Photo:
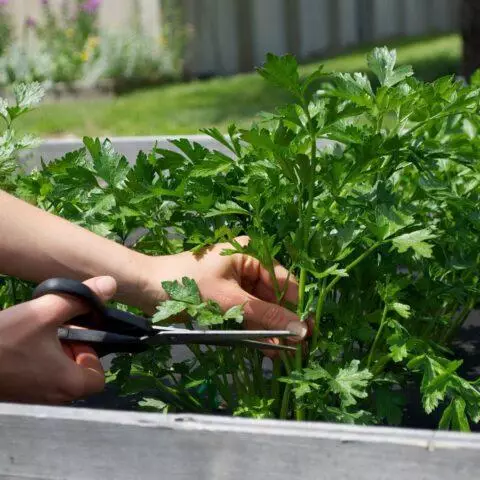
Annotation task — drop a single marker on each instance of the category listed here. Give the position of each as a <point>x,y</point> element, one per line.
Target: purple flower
<point>3,3</point>
<point>44,2</point>
<point>30,22</point>
<point>91,6</point>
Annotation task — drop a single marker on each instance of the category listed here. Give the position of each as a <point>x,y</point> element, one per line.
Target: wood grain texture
<point>57,443</point>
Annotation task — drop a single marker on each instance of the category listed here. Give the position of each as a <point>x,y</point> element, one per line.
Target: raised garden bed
<point>385,251</point>
<point>53,443</point>
<point>467,345</point>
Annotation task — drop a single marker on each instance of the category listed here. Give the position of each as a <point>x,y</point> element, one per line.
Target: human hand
<point>230,280</point>
<point>34,366</point>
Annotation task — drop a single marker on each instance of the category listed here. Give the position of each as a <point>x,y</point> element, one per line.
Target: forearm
<point>35,245</point>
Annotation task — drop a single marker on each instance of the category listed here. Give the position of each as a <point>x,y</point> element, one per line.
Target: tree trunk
<point>471,36</point>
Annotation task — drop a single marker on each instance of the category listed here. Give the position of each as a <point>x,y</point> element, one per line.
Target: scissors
<point>109,330</point>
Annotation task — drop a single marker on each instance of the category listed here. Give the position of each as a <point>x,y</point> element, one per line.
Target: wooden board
<point>59,443</point>
<point>129,146</point>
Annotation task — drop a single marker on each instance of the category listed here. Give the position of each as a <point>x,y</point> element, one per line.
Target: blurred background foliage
<point>174,66</point>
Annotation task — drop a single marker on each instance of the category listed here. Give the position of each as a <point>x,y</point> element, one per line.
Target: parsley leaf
<point>186,292</point>
<point>351,383</point>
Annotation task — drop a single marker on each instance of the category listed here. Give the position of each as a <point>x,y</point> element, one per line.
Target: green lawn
<point>184,108</point>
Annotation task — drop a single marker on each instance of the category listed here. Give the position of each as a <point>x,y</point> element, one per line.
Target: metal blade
<point>265,346</point>
<point>181,336</point>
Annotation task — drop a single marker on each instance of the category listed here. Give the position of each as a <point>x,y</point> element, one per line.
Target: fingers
<point>257,280</point>
<point>61,308</point>
<point>288,285</point>
<point>89,369</point>
<point>287,282</point>
<point>84,375</point>
<point>274,317</point>
<point>269,316</point>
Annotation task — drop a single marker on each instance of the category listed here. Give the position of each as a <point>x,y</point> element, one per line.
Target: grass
<point>185,108</point>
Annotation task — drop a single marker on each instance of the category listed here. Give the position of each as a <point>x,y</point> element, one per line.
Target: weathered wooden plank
<point>268,29</point>
<point>366,15</point>
<point>415,14</point>
<point>315,26</point>
<point>348,24</point>
<point>244,17</point>
<point>386,18</point>
<point>291,20</point>
<point>49,150</point>
<point>56,443</point>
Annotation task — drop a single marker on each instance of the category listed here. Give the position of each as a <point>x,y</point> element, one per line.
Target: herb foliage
<point>365,188</point>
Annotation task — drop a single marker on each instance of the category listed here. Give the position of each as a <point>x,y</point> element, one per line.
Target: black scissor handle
<point>104,343</point>
<point>72,288</point>
<point>104,318</point>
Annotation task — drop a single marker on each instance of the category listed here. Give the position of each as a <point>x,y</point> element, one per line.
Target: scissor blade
<point>181,336</point>
<point>265,346</point>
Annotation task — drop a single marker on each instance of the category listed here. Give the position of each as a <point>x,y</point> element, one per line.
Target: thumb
<point>60,308</point>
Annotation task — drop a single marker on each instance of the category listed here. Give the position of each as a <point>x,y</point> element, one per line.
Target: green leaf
<point>168,309</point>
<point>350,383</point>
<point>187,291</point>
<point>454,416</point>
<point>28,95</point>
<point>227,208</point>
<point>110,166</point>
<point>282,72</point>
<point>206,317</point>
<point>402,309</point>
<point>151,404</point>
<point>475,78</point>
<point>416,241</point>
<point>333,270</point>
<point>388,221</point>
<point>382,63</point>
<point>389,405</point>
<point>355,88</point>
<point>398,352</point>
<point>4,108</point>
<point>235,314</point>
<point>217,135</point>
<point>213,164</point>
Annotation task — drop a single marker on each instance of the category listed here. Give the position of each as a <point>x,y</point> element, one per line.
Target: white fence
<point>234,35</point>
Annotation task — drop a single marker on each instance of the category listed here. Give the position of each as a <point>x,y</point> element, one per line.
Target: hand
<point>230,280</point>
<point>34,366</point>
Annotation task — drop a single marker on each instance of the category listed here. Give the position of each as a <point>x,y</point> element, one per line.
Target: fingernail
<point>106,286</point>
<point>298,328</point>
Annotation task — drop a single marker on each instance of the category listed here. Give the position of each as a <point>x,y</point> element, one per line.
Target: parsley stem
<point>285,401</point>
<point>458,322</point>
<point>277,371</point>
<point>301,307</point>
<point>257,373</point>
<point>247,379</point>
<point>377,336</point>
<point>13,290</point>
<point>182,403</point>
<point>352,265</point>
<point>286,393</point>
<point>286,362</point>
<point>318,315</point>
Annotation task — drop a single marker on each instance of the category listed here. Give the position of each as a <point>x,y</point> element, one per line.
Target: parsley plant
<point>366,188</point>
